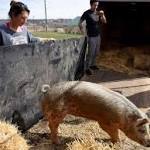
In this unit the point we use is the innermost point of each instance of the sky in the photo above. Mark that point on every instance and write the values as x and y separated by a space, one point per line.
55 8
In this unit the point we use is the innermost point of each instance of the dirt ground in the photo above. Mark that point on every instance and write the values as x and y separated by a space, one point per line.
74 127
71 129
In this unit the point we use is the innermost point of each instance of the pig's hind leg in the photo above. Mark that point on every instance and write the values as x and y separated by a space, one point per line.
54 120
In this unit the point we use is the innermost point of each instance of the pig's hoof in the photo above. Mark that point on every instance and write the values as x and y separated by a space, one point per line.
56 142
114 141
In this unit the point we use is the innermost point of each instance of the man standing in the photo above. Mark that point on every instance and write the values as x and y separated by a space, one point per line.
93 19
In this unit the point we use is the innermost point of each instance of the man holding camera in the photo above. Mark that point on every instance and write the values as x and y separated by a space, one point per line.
93 19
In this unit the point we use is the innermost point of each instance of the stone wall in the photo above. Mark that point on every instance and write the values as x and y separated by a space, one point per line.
23 70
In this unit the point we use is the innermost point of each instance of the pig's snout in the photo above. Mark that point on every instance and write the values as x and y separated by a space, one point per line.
147 143
144 141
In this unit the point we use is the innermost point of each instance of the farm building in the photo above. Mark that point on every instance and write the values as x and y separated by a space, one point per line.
128 20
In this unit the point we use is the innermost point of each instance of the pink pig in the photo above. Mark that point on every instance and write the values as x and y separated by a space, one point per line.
110 109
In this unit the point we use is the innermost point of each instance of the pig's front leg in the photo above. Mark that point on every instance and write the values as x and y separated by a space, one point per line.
112 130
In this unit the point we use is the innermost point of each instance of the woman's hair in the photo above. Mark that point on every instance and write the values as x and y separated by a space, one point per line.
16 8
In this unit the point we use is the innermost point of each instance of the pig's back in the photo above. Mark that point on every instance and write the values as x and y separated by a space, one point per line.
89 96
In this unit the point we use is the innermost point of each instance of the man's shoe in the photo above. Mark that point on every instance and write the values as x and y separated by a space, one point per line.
94 68
88 72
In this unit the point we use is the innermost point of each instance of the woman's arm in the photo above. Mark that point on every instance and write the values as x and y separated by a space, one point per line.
31 38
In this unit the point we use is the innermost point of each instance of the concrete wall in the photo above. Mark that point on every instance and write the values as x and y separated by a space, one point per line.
24 68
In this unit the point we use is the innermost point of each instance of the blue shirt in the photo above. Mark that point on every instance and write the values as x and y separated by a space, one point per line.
10 37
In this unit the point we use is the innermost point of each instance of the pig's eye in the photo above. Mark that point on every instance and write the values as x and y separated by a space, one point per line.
142 131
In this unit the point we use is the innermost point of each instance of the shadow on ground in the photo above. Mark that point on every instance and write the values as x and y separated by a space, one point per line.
105 75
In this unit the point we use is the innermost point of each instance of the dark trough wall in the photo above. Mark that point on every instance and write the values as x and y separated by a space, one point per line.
24 68
127 21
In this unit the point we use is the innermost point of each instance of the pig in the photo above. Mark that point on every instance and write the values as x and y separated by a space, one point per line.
110 109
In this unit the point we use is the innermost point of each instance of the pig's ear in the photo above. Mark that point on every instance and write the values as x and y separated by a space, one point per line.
142 121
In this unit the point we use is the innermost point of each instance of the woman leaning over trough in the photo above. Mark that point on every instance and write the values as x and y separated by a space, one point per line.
14 32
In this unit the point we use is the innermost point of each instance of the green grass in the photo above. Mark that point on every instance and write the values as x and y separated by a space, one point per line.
55 35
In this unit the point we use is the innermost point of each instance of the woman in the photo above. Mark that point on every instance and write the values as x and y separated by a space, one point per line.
14 32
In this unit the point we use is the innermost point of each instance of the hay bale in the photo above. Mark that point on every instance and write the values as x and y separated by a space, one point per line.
142 62
10 138
114 60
